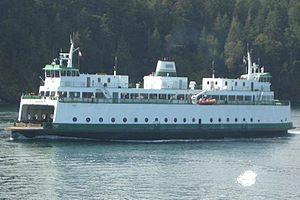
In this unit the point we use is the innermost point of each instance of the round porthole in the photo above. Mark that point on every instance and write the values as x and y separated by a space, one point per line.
235 119
146 119
124 119
100 119
219 119
135 119
166 119
74 119
193 120
184 119
156 119
227 119
175 119
88 119
211 120
251 119
113 119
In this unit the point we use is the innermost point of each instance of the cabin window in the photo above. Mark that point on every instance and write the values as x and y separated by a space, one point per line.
42 93
244 119
240 98
184 120
235 83
175 120
251 119
244 84
87 94
52 93
216 97
99 80
74 94
47 73
88 119
235 119
62 94
99 95
211 120
68 73
47 94
73 73
231 98
225 83
63 73
223 97
162 96
100 119
153 96
156 119
113 119
56 73
193 120
144 96
135 119
180 97
247 98
227 119
74 119
124 119
216 83
124 95
166 120
108 80
146 119
171 96
207 82
134 95
219 119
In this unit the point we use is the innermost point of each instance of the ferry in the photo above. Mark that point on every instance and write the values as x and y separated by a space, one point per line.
70 104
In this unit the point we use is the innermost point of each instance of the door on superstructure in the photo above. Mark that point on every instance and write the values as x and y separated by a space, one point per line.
88 82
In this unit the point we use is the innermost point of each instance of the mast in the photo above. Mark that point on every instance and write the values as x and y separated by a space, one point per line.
249 63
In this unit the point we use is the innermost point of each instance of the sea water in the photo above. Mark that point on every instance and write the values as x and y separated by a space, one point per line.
204 169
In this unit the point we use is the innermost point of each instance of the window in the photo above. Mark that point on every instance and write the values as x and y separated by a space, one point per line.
135 119
180 97
166 119
144 96
235 119
156 119
184 120
56 73
108 80
227 119
134 96
100 119
146 119
88 119
99 95
68 73
153 96
247 98
124 119
47 73
74 94
63 73
193 120
42 93
235 83
113 119
175 120
124 95
211 120
207 82
240 98
74 119
244 119
225 83
99 80
231 98
87 94
244 84
219 119
73 73
162 96
251 119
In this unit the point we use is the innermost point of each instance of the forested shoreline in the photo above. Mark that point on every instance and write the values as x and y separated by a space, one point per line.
194 33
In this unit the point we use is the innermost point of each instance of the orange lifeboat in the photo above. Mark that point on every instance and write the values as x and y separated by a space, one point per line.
207 101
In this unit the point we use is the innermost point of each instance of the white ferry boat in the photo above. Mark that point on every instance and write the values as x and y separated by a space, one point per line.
165 106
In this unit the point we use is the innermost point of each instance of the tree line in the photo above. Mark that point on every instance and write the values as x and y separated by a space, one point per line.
194 33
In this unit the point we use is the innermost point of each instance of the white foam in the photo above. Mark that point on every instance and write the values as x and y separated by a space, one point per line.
248 178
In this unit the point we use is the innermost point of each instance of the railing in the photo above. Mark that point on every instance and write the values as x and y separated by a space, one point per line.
152 101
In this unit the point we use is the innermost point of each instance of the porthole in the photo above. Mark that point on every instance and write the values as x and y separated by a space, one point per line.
219 119
184 120
175 119
235 119
125 119
74 119
193 120
146 119
113 119
100 119
135 119
166 119
244 119
211 120
227 119
88 119
156 119
251 119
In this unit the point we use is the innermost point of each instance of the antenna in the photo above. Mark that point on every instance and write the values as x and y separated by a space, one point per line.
115 66
213 68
